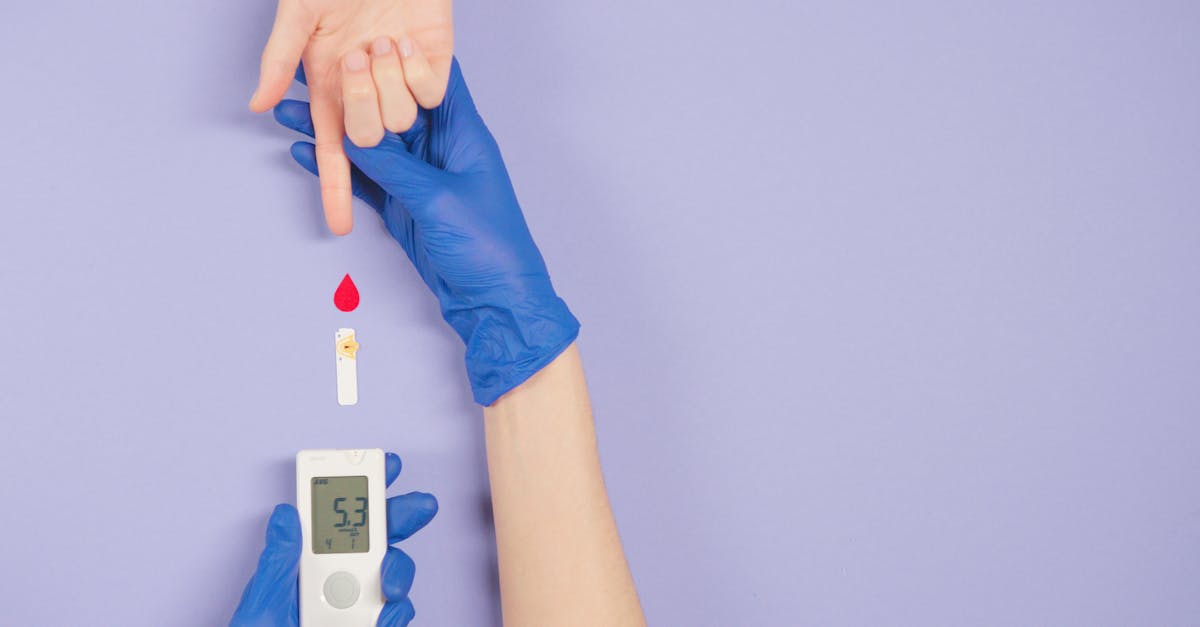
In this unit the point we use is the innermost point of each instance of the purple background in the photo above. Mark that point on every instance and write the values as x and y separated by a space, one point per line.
890 314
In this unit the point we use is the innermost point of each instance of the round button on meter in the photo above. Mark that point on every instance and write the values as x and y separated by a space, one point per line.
341 590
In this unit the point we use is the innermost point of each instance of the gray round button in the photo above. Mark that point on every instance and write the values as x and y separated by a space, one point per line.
341 590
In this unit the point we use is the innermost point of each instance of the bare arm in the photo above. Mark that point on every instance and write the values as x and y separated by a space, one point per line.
561 561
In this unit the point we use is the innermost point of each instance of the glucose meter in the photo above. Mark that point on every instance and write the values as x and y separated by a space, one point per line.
341 497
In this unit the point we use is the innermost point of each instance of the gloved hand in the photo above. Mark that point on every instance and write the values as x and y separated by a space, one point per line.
271 599
445 195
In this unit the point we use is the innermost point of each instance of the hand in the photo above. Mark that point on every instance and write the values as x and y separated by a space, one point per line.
444 194
271 597
330 33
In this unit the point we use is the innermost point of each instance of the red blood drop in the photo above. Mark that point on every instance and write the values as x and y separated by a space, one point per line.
346 296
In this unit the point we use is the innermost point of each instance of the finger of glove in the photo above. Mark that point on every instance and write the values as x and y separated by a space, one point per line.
397 573
274 579
296 115
306 155
392 466
398 614
408 514
401 174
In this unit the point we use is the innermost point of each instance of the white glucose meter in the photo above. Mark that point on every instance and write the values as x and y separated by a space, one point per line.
341 497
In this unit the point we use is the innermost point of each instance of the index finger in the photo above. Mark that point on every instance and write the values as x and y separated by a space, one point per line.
332 165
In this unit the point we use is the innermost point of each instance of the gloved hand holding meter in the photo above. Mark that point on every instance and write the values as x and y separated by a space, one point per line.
338 522
443 192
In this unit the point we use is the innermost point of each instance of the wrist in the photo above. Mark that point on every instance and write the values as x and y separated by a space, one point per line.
508 342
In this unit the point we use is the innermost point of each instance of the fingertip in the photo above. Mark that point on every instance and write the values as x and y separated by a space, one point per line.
419 75
407 47
265 96
259 105
370 159
289 112
429 503
306 155
284 525
398 614
433 99
397 574
339 219
381 46
419 127
365 138
284 512
393 466
256 100
388 141
339 225
410 513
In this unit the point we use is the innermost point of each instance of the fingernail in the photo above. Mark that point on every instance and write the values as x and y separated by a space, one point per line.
382 46
355 61
406 47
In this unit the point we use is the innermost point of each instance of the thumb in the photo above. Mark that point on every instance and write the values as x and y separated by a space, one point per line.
274 581
293 27
409 179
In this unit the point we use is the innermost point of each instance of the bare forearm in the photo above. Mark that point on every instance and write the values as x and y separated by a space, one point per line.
561 561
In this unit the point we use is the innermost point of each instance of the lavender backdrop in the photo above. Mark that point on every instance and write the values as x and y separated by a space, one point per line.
890 309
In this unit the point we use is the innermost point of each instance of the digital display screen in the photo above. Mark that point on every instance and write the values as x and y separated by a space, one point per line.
340 520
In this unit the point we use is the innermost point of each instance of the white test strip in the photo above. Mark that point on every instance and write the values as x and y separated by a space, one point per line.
346 350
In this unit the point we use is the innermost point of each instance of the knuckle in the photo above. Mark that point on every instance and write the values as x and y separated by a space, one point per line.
359 93
328 149
329 156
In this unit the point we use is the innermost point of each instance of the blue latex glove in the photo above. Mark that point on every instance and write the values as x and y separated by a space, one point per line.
445 195
271 599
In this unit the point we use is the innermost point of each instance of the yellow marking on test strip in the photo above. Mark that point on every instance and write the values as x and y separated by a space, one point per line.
347 347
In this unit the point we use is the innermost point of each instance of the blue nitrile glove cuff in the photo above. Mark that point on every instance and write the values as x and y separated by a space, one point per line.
507 345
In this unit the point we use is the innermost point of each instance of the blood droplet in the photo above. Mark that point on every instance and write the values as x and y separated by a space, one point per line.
346 296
